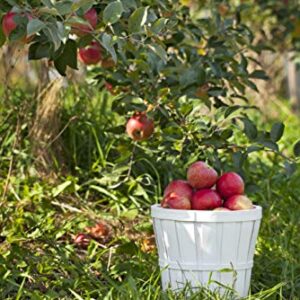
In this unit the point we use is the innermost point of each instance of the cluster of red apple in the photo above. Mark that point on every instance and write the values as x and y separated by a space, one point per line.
205 190
92 54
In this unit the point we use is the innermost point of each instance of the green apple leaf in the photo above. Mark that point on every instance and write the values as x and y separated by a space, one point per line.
277 131
113 12
137 20
297 149
34 26
249 129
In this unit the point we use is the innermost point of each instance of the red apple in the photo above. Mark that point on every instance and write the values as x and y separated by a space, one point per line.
82 240
91 54
238 202
175 201
179 187
100 231
9 24
222 209
108 86
139 127
200 175
92 18
206 199
230 184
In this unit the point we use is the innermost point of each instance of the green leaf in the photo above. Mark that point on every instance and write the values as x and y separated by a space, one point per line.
297 149
81 3
159 25
251 85
217 91
290 168
77 296
254 148
64 7
129 4
226 134
249 129
34 26
68 57
112 12
277 131
47 3
60 188
193 75
130 214
159 51
230 110
108 43
127 248
259 74
55 33
238 160
137 20
49 11
271 145
38 51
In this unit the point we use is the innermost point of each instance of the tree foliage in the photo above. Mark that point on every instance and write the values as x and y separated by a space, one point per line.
184 62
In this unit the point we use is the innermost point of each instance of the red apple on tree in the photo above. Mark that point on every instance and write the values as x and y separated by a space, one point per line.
179 187
200 175
176 201
139 127
230 184
9 24
206 199
238 202
92 54
92 18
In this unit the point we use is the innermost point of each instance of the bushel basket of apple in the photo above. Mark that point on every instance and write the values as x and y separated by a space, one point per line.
206 229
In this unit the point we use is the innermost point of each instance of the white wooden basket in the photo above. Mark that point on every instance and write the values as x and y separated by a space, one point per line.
194 245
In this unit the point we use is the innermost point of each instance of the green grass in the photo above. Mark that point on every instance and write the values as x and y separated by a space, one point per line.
38 259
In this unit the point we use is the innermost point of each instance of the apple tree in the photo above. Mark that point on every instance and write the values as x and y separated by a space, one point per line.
181 64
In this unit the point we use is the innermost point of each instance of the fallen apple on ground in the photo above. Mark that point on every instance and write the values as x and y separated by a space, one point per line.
82 240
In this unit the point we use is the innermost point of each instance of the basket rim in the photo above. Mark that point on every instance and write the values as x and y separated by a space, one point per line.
158 212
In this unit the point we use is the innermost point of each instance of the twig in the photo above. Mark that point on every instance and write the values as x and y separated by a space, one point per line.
66 206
